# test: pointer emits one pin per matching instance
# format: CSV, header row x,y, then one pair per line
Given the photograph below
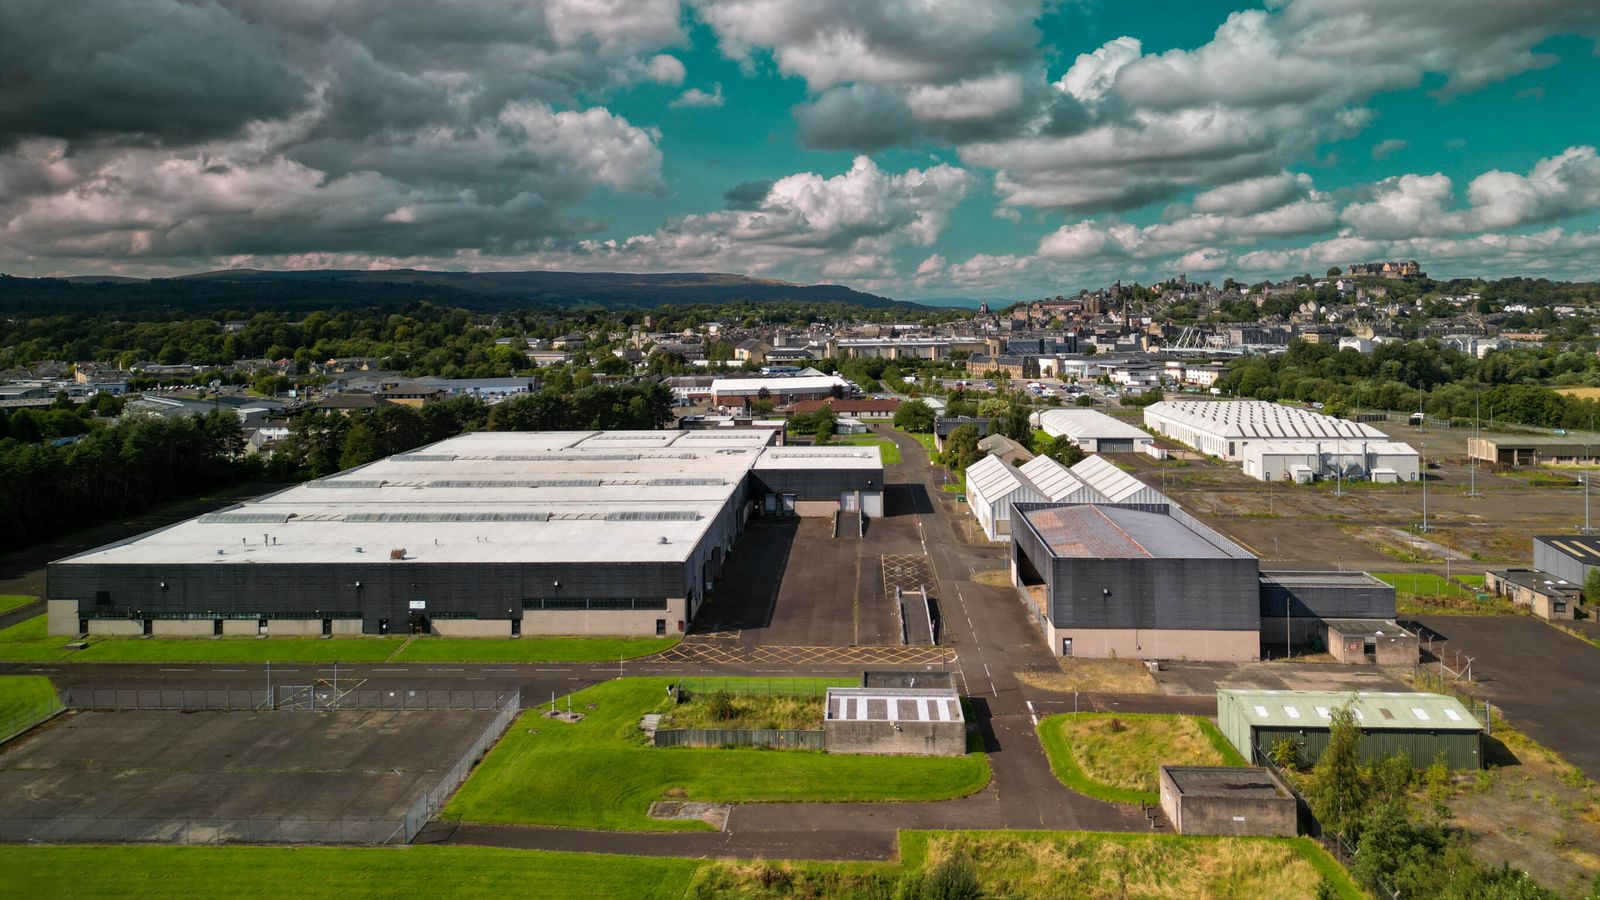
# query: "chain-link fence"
x,y
429,804
318,696
109,829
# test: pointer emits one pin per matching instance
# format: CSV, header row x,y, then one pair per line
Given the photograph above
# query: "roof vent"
x,y
359,550
664,539
397,553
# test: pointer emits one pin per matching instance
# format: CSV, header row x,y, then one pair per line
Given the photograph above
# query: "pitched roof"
x,y
1114,484
1057,482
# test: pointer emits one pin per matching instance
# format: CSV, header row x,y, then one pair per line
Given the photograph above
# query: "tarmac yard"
x,y
143,775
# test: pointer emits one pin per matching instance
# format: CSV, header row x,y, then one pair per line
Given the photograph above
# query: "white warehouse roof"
x,y
1058,483
1114,484
992,478
1253,419
1082,424
778,385
519,497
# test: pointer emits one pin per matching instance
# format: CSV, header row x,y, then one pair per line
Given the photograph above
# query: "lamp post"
x,y
1424,476
1586,527
1477,441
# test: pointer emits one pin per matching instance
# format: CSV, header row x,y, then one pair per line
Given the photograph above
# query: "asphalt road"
x,y
1545,681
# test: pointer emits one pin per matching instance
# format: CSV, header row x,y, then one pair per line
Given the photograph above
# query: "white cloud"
x,y
1092,74
696,98
1253,194
665,69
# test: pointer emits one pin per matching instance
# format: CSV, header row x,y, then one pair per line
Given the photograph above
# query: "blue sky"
x,y
916,148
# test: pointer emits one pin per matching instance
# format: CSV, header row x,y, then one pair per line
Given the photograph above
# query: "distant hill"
x,y
243,289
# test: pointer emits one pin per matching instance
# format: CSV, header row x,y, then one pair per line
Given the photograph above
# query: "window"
x,y
1291,712
1420,713
1452,715
1261,711
1322,711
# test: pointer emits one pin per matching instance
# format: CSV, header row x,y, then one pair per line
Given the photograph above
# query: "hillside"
x,y
245,289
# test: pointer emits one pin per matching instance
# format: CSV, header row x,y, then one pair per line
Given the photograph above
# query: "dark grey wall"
x,y
813,484
1328,601
489,590
1211,594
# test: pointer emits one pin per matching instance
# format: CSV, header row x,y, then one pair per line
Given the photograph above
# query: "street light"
x,y
1424,476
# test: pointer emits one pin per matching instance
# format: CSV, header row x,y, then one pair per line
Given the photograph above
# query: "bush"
x,y
720,706
952,879
1286,753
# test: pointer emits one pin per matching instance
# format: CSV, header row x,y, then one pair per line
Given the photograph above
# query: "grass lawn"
x,y
338,873
1054,864
1115,756
531,649
599,773
8,602
1427,592
25,697
1100,676
889,449
28,642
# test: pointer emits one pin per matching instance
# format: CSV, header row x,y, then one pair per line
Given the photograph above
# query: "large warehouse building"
x,y
1093,431
486,534
1569,557
1275,442
1135,580
994,487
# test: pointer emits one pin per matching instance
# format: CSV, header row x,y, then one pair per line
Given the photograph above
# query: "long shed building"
x,y
1274,442
485,534
1420,726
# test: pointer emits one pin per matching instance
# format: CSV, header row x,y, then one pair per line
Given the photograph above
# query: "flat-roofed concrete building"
x,y
779,390
1568,557
894,720
1134,580
1524,450
1228,800
485,534
1541,593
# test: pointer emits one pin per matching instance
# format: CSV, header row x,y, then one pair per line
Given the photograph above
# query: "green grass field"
x,y
889,449
24,699
1007,864
1116,756
9,602
599,773
336,873
28,642
1427,592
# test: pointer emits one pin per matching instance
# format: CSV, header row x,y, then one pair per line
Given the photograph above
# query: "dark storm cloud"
x,y
161,71
747,194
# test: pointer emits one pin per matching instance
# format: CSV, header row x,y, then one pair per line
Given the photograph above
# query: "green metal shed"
x,y
1416,724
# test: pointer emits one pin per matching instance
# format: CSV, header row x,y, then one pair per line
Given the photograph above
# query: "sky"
x,y
919,149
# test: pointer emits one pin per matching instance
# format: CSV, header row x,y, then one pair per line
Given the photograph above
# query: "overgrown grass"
x,y
9,602
337,873
531,649
1116,756
1052,864
889,449
599,773
28,642
741,711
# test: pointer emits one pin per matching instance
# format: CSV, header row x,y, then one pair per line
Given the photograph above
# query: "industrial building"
x,y
1275,442
1417,725
1522,450
1541,593
485,534
1103,577
779,390
1134,580
1228,800
994,485
1297,606
1093,431
1567,557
